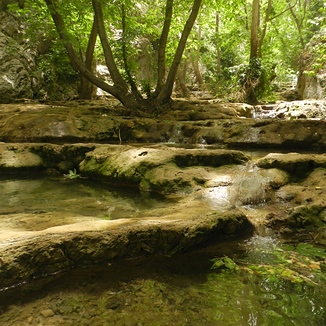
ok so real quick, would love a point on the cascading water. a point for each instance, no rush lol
(250, 193)
(249, 187)
(244, 187)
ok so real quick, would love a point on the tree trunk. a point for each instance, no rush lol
(126, 91)
(166, 92)
(195, 63)
(87, 89)
(117, 79)
(181, 78)
(254, 29)
(199, 77)
(130, 78)
(217, 40)
(298, 22)
(74, 58)
(263, 32)
(162, 46)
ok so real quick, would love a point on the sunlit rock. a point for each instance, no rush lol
(159, 168)
(298, 165)
(15, 72)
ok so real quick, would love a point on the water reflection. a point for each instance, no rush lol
(180, 290)
(41, 202)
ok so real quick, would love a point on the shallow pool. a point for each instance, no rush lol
(36, 202)
(179, 290)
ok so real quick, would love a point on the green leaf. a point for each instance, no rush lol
(224, 263)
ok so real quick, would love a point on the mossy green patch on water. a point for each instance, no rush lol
(302, 264)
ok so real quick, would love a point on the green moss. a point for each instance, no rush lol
(307, 216)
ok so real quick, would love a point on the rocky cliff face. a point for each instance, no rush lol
(19, 77)
(312, 85)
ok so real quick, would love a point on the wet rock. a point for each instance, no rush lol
(306, 109)
(292, 192)
(317, 179)
(301, 223)
(107, 121)
(211, 110)
(160, 169)
(46, 313)
(297, 165)
(18, 157)
(49, 251)
(306, 218)
(168, 179)
(276, 178)
(47, 157)
(310, 216)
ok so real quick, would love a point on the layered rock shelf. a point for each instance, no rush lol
(215, 188)
(226, 125)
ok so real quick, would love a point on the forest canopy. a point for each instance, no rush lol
(140, 51)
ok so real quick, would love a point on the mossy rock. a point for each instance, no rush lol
(308, 216)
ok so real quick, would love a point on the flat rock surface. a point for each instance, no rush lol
(189, 122)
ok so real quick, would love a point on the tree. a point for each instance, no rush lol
(125, 86)
(256, 75)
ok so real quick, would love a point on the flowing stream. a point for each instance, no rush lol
(186, 289)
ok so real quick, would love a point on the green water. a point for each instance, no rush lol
(286, 289)
(30, 201)
(180, 290)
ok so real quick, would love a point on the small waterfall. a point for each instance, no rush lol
(201, 142)
(177, 136)
(249, 187)
(260, 249)
(250, 193)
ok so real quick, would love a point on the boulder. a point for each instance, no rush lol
(20, 79)
(305, 109)
(312, 75)
(15, 73)
(158, 168)
(297, 165)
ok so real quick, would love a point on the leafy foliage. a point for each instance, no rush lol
(314, 57)
(224, 263)
(253, 80)
(301, 264)
(72, 175)
(218, 46)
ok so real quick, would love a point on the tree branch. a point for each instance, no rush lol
(73, 56)
(168, 87)
(284, 11)
(117, 79)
